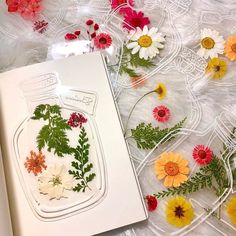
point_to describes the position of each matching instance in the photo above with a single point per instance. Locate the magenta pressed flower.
(102, 41)
(161, 113)
(202, 155)
(76, 120)
(133, 19)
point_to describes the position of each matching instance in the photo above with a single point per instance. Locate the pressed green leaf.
(81, 165)
(147, 136)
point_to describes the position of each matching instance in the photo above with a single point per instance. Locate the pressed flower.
(151, 203)
(161, 113)
(123, 3)
(96, 27)
(173, 168)
(217, 68)
(145, 42)
(133, 19)
(70, 36)
(12, 5)
(29, 9)
(89, 22)
(161, 90)
(77, 33)
(76, 119)
(40, 26)
(137, 81)
(202, 155)
(102, 41)
(55, 181)
(93, 35)
(212, 44)
(179, 211)
(35, 163)
(230, 47)
(231, 209)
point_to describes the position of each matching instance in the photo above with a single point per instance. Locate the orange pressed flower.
(230, 47)
(173, 168)
(35, 163)
(137, 82)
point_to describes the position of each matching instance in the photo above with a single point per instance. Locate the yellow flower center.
(233, 47)
(171, 168)
(208, 43)
(159, 90)
(179, 212)
(56, 180)
(145, 41)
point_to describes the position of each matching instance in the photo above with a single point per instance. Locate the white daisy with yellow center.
(146, 42)
(212, 44)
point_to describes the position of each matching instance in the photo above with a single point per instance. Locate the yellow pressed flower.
(173, 168)
(217, 67)
(160, 90)
(179, 212)
(231, 209)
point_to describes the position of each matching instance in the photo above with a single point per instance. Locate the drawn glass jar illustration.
(59, 155)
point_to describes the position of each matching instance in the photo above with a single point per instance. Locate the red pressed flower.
(77, 33)
(93, 35)
(202, 155)
(151, 203)
(12, 5)
(103, 41)
(70, 36)
(135, 19)
(40, 26)
(76, 119)
(35, 163)
(29, 9)
(116, 3)
(89, 22)
(96, 27)
(161, 113)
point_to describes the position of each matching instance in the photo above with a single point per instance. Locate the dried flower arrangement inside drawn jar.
(160, 106)
(185, 184)
(58, 150)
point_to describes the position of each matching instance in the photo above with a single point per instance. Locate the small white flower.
(212, 44)
(146, 42)
(54, 181)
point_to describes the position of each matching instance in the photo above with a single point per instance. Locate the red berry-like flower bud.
(70, 37)
(89, 22)
(96, 27)
(151, 203)
(77, 32)
(93, 35)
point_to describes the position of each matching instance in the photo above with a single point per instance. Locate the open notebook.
(66, 163)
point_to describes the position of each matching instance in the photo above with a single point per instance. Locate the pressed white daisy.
(54, 181)
(212, 44)
(146, 42)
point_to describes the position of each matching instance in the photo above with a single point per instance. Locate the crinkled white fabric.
(189, 93)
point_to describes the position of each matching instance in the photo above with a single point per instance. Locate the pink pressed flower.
(135, 19)
(161, 113)
(29, 9)
(103, 41)
(76, 119)
(202, 155)
(117, 3)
